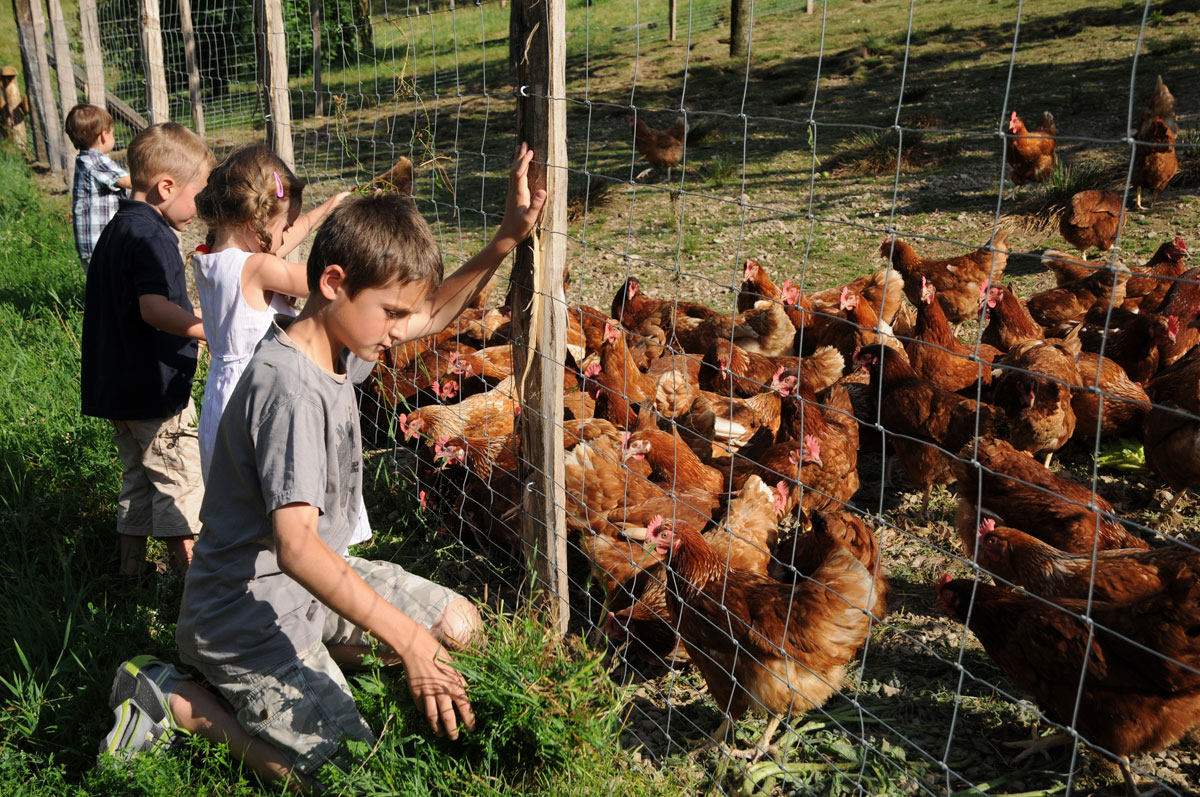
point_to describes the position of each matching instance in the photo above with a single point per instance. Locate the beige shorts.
(304, 707)
(161, 487)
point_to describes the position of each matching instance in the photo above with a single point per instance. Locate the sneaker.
(143, 719)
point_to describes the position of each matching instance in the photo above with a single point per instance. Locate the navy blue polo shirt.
(130, 370)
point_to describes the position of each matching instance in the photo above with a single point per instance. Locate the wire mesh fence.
(790, 272)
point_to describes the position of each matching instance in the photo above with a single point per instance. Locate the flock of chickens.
(711, 460)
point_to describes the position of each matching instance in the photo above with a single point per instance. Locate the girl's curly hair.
(248, 187)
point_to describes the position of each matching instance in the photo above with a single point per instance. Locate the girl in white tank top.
(252, 207)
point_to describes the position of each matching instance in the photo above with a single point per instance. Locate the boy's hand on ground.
(522, 207)
(437, 688)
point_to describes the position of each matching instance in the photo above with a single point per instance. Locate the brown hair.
(246, 188)
(85, 123)
(377, 240)
(166, 148)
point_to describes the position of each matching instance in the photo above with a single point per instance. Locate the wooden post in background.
(739, 28)
(158, 109)
(93, 62)
(274, 56)
(672, 30)
(193, 69)
(31, 32)
(314, 7)
(67, 97)
(537, 51)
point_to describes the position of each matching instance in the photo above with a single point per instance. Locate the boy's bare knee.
(459, 625)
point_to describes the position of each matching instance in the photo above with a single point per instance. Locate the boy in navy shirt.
(140, 342)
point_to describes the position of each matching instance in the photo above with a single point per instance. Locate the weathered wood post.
(537, 51)
(158, 108)
(93, 62)
(314, 8)
(273, 55)
(67, 96)
(672, 30)
(14, 109)
(739, 28)
(193, 69)
(31, 33)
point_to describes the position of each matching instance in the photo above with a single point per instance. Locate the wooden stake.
(14, 110)
(537, 46)
(93, 63)
(274, 42)
(314, 7)
(31, 31)
(158, 108)
(189, 57)
(67, 96)
(671, 14)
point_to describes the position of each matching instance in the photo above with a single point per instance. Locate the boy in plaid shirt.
(99, 182)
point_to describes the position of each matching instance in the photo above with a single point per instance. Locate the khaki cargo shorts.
(161, 486)
(304, 707)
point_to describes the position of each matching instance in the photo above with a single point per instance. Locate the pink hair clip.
(278, 185)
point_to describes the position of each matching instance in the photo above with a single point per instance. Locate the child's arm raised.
(438, 689)
(306, 223)
(266, 272)
(521, 212)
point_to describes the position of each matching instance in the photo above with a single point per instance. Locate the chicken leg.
(1040, 745)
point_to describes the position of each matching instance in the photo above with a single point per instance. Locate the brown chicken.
(1154, 161)
(923, 421)
(1009, 322)
(935, 354)
(763, 329)
(1171, 439)
(1183, 302)
(1125, 402)
(829, 478)
(858, 326)
(1071, 301)
(1066, 268)
(1030, 154)
(489, 414)
(1160, 106)
(1092, 219)
(801, 553)
(1138, 661)
(1149, 284)
(637, 311)
(673, 464)
(661, 148)
(1118, 575)
(1034, 389)
(1136, 345)
(730, 370)
(488, 493)
(958, 280)
(756, 285)
(759, 643)
(1019, 491)
(617, 364)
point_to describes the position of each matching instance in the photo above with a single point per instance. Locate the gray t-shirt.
(289, 434)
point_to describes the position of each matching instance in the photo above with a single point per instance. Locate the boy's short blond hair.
(85, 123)
(378, 241)
(167, 148)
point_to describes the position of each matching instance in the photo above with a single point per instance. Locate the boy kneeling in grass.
(270, 608)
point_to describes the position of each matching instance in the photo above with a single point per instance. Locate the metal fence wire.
(856, 442)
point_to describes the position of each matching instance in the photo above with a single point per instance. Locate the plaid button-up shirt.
(94, 198)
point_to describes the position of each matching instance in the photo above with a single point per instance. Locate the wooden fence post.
(31, 32)
(158, 107)
(193, 69)
(93, 61)
(67, 95)
(739, 28)
(274, 56)
(672, 30)
(537, 51)
(314, 7)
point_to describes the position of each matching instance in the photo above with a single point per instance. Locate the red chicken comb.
(592, 370)
(1180, 244)
(1172, 327)
(751, 270)
(943, 581)
(423, 497)
(611, 331)
(781, 495)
